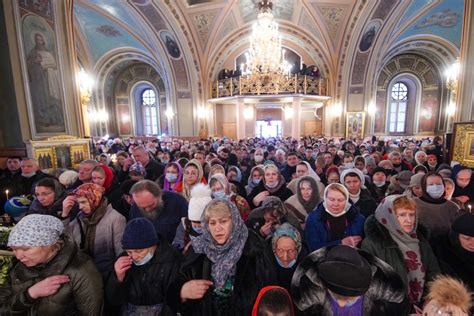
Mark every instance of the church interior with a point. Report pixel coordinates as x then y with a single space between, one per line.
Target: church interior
154 68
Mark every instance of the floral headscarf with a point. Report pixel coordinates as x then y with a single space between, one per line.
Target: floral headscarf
287 230
92 192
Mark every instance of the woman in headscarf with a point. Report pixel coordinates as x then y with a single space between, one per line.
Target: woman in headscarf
448 189
49 195
103 176
288 251
273 300
394 235
192 175
51 277
305 200
272 184
414 188
98 228
335 221
303 168
434 211
256 175
234 176
225 267
221 188
332 175
464 189
173 175
353 179
421 157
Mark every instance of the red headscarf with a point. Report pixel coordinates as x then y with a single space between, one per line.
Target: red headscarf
109 176
264 291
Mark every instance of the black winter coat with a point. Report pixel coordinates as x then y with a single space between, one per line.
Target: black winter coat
147 284
283 193
366 203
385 295
255 270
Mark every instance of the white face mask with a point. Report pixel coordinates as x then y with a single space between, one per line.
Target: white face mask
258 158
379 183
145 259
435 190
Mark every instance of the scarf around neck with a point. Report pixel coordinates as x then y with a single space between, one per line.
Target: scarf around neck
88 225
315 198
408 244
224 257
281 182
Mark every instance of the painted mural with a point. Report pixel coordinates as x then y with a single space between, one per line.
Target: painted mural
171 45
282 9
102 34
45 100
370 33
428 112
444 20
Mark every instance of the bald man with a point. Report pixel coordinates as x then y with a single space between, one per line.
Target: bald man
30 174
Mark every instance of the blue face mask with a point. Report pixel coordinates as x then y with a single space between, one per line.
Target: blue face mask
197 230
290 265
218 194
256 181
165 162
145 259
435 190
171 177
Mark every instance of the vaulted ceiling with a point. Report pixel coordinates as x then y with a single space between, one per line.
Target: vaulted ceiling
212 33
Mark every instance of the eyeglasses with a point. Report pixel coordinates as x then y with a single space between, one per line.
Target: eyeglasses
290 252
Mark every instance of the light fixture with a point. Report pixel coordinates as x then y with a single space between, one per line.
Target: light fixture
169 113
265 58
452 77
336 110
371 108
86 83
451 109
202 112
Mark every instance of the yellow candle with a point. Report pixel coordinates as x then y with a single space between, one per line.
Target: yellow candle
6 193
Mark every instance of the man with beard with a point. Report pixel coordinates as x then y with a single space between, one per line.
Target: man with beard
163 209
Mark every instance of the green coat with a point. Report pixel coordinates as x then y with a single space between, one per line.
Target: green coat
379 243
83 295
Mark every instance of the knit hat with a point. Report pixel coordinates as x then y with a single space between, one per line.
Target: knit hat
415 180
36 230
404 178
91 192
17 205
380 169
139 233
464 224
345 272
200 197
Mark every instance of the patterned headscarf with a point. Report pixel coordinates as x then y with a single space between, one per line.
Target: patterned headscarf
138 168
36 230
92 192
224 257
166 184
286 230
408 244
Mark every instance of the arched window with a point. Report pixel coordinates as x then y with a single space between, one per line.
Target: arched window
398 108
149 112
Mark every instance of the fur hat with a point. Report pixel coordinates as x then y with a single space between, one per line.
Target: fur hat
345 272
447 296
200 197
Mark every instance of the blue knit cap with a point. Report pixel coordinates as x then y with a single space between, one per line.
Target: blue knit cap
139 233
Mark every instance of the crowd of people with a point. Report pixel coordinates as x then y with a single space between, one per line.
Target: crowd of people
257 226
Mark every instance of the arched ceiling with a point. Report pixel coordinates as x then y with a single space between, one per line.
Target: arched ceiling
209 31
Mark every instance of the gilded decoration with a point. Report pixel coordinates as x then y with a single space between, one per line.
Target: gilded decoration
462 146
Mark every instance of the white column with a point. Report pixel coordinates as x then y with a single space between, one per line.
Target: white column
296 121
240 119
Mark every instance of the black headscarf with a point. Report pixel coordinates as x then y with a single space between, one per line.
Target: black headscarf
315 198
425 196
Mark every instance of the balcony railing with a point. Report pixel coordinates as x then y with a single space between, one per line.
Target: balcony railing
264 85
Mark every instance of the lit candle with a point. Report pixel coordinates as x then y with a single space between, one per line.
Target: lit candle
470 208
6 193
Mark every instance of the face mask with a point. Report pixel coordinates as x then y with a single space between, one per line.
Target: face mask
145 259
28 175
197 230
349 165
234 178
274 185
379 183
314 156
290 265
435 190
258 158
256 181
165 162
171 177
218 194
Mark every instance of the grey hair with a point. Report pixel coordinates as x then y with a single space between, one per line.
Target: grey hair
146 185
89 162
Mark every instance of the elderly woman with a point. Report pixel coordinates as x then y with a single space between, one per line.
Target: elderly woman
414 188
272 184
335 221
288 252
225 267
98 228
51 276
49 195
221 188
434 211
305 200
420 157
68 178
173 175
256 175
394 235
464 189
192 175
353 179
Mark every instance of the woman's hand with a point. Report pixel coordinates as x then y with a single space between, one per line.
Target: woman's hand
121 267
194 289
48 286
68 203
352 241
266 229
260 197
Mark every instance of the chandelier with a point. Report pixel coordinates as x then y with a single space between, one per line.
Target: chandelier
265 57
